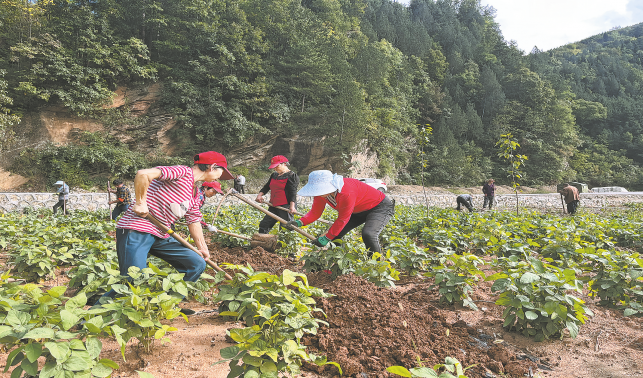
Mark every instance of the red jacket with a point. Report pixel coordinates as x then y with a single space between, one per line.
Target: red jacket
355 197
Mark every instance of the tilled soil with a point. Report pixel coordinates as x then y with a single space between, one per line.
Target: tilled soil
372 328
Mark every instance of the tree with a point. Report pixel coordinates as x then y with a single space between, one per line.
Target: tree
507 146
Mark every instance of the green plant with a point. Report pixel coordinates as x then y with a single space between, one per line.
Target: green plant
151 295
451 366
350 256
454 276
536 299
276 318
508 146
39 324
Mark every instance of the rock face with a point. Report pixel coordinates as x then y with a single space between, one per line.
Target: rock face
140 122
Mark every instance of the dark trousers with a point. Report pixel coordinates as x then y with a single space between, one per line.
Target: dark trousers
118 210
374 221
267 222
465 203
242 189
488 200
572 206
59 204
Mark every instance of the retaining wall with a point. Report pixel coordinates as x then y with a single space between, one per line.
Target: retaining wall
92 201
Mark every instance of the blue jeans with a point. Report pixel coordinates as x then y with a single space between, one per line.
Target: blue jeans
132 248
118 210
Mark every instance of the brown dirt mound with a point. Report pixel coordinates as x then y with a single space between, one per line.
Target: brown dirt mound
373 328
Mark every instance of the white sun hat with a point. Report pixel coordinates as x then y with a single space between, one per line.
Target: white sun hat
59 183
321 182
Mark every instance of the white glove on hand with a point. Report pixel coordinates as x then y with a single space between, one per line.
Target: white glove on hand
211 228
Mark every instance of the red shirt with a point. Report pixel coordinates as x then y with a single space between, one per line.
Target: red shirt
355 197
169 198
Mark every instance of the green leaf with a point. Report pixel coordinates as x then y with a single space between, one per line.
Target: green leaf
101 370
629 312
229 352
424 372
399 370
40 333
33 351
143 374
30 367
268 367
531 315
529 277
289 277
94 346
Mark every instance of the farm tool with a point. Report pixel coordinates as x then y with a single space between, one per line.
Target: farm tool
265 241
268 213
297 213
168 230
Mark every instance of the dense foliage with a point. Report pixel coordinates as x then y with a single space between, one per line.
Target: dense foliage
349 73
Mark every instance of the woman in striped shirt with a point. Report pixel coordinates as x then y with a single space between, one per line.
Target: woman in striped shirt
167 193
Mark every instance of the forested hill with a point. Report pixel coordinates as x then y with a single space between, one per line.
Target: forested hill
343 72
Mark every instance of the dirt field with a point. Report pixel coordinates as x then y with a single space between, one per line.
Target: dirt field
372 328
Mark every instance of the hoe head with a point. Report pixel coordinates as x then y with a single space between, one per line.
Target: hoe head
266 241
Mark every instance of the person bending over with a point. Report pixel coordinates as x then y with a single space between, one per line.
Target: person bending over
356 204
168 193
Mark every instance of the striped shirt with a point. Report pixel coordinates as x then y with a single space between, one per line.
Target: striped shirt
169 198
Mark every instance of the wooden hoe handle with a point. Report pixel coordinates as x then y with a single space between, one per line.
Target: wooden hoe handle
297 212
185 243
268 213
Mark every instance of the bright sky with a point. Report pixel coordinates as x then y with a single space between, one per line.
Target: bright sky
553 23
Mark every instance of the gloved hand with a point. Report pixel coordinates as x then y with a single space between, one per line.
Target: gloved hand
289 225
321 241
211 228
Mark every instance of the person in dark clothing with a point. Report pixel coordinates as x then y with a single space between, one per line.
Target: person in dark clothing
572 198
356 204
282 185
63 196
489 191
123 198
466 200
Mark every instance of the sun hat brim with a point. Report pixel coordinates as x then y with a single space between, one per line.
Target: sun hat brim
316 189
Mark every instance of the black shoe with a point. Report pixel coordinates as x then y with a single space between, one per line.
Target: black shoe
187 311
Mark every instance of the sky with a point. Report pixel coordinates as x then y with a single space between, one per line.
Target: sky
553 23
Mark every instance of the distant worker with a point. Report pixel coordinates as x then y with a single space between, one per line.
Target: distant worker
168 193
356 203
282 185
466 200
241 183
63 196
489 191
572 198
123 198
207 190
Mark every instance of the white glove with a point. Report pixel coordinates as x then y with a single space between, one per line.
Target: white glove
211 228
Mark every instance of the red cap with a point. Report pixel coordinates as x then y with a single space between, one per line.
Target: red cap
213 184
213 157
276 160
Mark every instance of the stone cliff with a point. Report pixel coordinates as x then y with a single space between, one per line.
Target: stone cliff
138 120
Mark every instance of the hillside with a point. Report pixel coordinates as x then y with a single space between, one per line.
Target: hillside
422 92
